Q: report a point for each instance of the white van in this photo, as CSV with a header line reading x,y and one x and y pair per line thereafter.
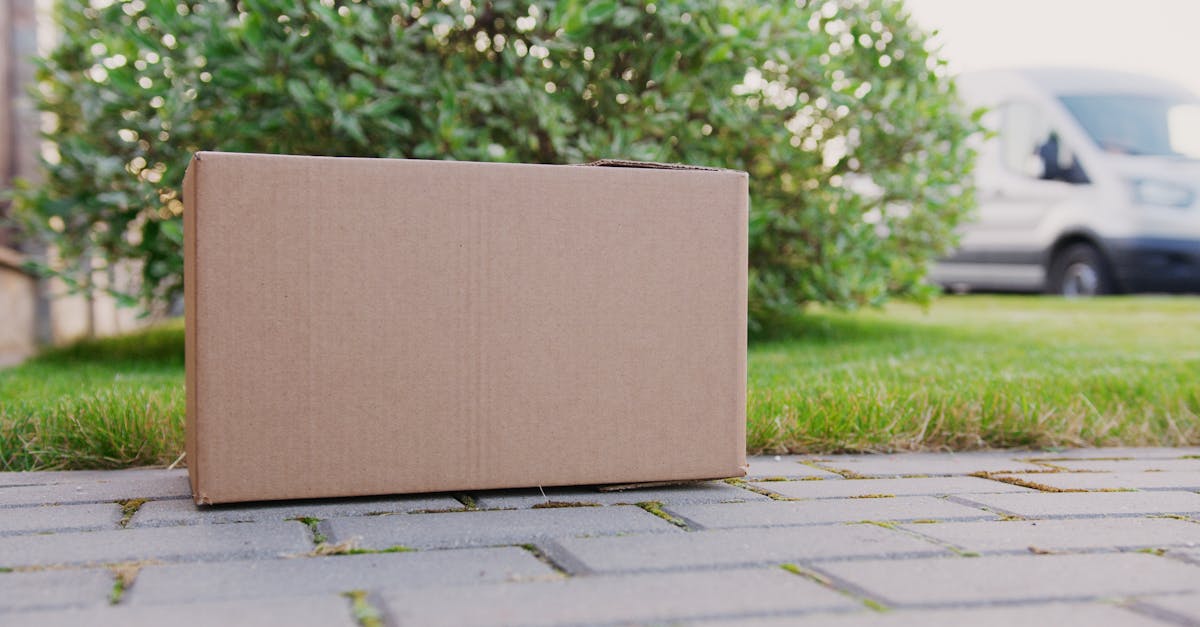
x,y
1088,185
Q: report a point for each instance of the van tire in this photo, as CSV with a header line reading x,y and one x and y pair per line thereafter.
x,y
1080,270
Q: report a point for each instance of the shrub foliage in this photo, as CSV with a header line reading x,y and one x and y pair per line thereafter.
x,y
848,125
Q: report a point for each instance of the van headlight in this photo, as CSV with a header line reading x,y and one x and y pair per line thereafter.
x,y
1157,193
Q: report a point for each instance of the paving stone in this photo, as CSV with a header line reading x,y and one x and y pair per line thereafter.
x,y
17,520
1131,465
176,512
988,616
483,528
731,548
53,589
186,583
788,466
1091,503
635,599
1065,534
1115,480
932,486
165,543
1185,606
927,464
773,513
1012,578
332,610
657,573
115,486
51,477
707,492
1138,452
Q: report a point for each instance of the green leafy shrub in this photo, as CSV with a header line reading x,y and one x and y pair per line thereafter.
x,y
848,126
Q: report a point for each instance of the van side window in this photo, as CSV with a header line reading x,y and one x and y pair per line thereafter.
x,y
1031,147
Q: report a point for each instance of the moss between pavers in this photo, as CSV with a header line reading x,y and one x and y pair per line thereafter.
x,y
1024,483
322,547
655,507
1175,517
804,572
399,548
350,547
118,589
812,575
129,507
365,613
895,526
846,474
313,524
741,483
124,576
558,504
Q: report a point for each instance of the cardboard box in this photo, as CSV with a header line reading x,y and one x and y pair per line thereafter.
x,y
380,326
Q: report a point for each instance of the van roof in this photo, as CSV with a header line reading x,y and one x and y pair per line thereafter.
x,y
1062,81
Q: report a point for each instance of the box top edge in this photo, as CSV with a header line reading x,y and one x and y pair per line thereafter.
x,y
606,163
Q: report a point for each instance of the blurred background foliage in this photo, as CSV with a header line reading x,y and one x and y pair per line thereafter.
x,y
856,144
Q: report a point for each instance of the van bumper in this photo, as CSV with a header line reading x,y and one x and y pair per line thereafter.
x,y
1152,264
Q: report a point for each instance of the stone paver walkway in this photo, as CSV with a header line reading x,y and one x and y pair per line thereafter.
x,y
1097,537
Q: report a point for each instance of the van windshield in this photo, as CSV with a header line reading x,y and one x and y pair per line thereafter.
x,y
1132,124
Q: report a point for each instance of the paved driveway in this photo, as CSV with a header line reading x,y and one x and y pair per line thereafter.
x,y
1100,536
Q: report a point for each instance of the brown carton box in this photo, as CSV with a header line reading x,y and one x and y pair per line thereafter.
x,y
379,326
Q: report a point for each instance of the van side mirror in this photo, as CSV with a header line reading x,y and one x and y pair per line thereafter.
x,y
1074,173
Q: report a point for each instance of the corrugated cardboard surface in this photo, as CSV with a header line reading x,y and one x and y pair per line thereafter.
x,y
372,326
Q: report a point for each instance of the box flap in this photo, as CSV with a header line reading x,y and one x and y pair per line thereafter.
x,y
650,165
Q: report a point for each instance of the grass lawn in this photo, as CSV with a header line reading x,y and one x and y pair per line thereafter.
x,y
982,371
106,403
972,372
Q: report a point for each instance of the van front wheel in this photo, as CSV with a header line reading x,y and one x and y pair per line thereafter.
x,y
1080,270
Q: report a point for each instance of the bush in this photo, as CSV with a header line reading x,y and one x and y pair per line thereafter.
x,y
849,127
